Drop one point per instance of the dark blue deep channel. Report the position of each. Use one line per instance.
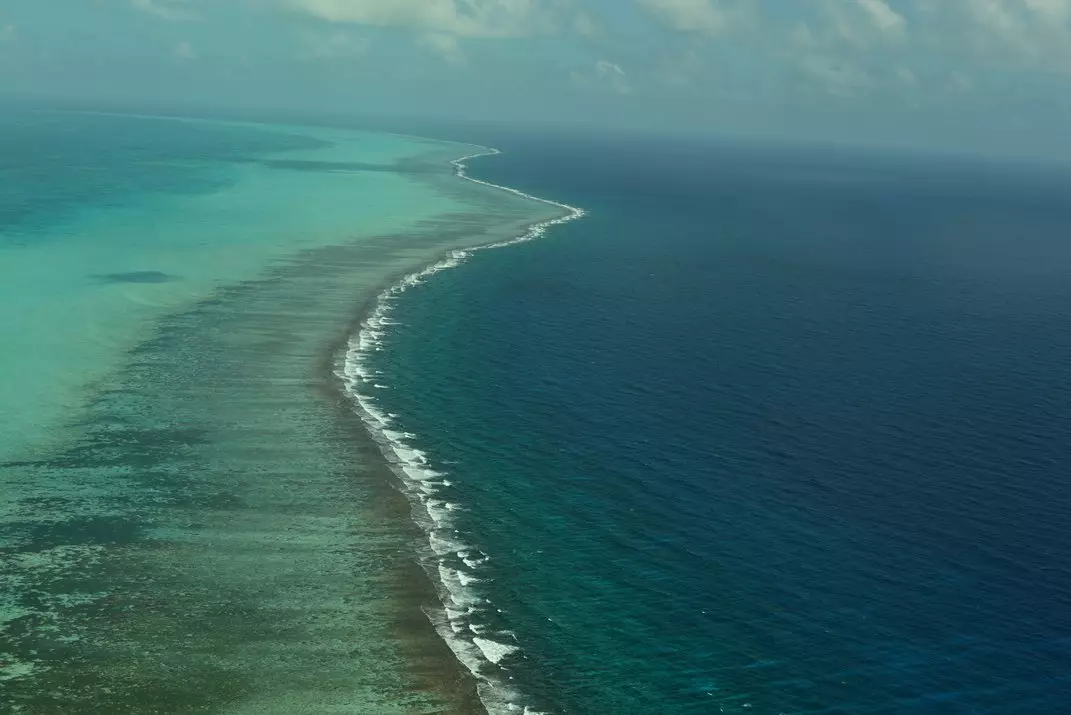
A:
(769, 431)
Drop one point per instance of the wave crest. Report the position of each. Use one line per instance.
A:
(465, 620)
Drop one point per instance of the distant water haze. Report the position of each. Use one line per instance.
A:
(985, 77)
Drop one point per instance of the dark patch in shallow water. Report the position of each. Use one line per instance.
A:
(136, 277)
(406, 167)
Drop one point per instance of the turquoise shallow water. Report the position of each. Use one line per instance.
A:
(193, 519)
(110, 222)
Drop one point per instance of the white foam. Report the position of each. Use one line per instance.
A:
(474, 563)
(493, 650)
(438, 513)
(456, 591)
(408, 455)
(466, 579)
(423, 485)
(420, 474)
(443, 545)
(372, 414)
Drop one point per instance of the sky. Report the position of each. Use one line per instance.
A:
(989, 76)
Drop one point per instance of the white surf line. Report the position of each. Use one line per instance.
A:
(477, 648)
(536, 231)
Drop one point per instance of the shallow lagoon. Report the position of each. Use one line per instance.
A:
(193, 518)
(76, 273)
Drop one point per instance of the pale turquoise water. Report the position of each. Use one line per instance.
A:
(193, 520)
(74, 287)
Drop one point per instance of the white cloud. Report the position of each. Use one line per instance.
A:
(1024, 33)
(1051, 10)
(863, 23)
(584, 26)
(444, 46)
(836, 76)
(700, 16)
(462, 18)
(996, 19)
(834, 48)
(847, 47)
(333, 45)
(681, 69)
(907, 76)
(173, 10)
(612, 75)
(185, 51)
(960, 82)
(604, 75)
(884, 18)
(802, 35)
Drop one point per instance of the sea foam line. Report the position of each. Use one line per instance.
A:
(467, 621)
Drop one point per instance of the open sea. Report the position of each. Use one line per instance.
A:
(776, 431)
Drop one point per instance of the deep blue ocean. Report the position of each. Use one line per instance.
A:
(774, 431)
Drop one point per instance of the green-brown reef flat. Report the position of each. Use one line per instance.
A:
(214, 532)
